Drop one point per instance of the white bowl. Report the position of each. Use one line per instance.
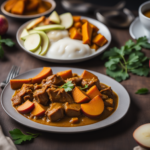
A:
(102, 29)
(29, 16)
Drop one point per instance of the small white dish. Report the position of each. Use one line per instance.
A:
(103, 30)
(123, 104)
(29, 16)
(137, 30)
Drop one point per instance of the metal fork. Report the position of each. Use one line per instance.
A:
(14, 71)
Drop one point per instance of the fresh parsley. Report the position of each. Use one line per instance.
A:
(128, 58)
(68, 86)
(142, 91)
(19, 137)
(85, 87)
(7, 42)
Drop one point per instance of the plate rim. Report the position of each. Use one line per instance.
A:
(68, 128)
(28, 16)
(131, 26)
(56, 60)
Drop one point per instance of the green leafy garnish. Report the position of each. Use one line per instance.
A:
(19, 137)
(128, 58)
(7, 42)
(142, 91)
(68, 86)
(85, 87)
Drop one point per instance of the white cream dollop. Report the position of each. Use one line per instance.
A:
(56, 35)
(67, 48)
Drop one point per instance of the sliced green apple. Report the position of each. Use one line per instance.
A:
(31, 24)
(38, 51)
(24, 34)
(50, 27)
(32, 42)
(54, 17)
(66, 20)
(45, 41)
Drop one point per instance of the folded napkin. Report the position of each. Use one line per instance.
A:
(5, 142)
(138, 148)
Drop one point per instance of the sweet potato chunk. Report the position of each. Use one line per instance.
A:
(46, 71)
(99, 40)
(88, 75)
(76, 18)
(83, 21)
(74, 120)
(17, 83)
(38, 110)
(75, 34)
(26, 107)
(94, 108)
(9, 5)
(86, 33)
(77, 24)
(32, 5)
(109, 102)
(18, 8)
(65, 74)
(79, 96)
(110, 108)
(41, 8)
(94, 27)
(93, 91)
(94, 46)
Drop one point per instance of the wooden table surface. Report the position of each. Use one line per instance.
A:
(114, 137)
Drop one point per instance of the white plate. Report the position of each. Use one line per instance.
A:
(123, 105)
(29, 16)
(136, 29)
(103, 30)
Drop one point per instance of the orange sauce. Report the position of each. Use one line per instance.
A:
(147, 13)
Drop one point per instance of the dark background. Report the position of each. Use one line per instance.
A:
(131, 4)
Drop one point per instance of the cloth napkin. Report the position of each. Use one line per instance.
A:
(5, 142)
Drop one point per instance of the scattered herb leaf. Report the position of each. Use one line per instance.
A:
(142, 91)
(68, 86)
(19, 137)
(128, 58)
(85, 87)
(7, 42)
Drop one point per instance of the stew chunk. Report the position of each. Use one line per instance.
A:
(41, 96)
(53, 79)
(75, 80)
(25, 93)
(55, 112)
(91, 82)
(72, 110)
(59, 95)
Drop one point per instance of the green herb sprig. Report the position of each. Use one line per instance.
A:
(85, 87)
(19, 137)
(7, 42)
(68, 86)
(127, 59)
(142, 91)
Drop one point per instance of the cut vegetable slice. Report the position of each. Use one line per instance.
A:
(24, 34)
(66, 20)
(54, 17)
(38, 51)
(45, 41)
(50, 27)
(32, 42)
